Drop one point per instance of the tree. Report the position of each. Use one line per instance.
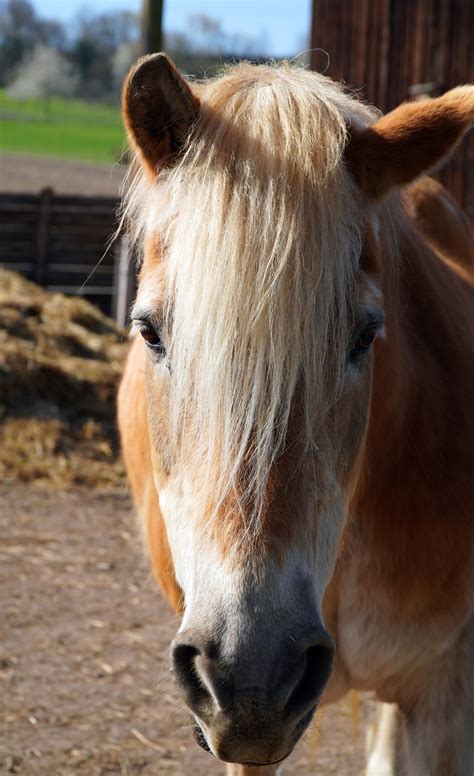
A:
(100, 47)
(123, 58)
(20, 30)
(98, 39)
(45, 73)
(207, 44)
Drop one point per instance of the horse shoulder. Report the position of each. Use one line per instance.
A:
(133, 425)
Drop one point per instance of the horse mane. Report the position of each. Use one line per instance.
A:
(260, 226)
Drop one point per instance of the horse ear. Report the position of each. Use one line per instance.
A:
(158, 109)
(409, 141)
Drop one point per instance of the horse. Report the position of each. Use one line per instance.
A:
(296, 409)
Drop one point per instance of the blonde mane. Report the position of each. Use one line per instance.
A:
(261, 233)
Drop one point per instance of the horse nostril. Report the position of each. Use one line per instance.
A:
(205, 685)
(200, 738)
(187, 676)
(318, 663)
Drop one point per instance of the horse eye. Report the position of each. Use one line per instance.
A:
(363, 341)
(152, 336)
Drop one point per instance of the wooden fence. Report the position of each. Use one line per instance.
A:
(391, 50)
(68, 244)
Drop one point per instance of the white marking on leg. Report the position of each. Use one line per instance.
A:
(382, 742)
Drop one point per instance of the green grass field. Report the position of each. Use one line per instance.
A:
(68, 129)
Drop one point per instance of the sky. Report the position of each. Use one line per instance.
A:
(285, 22)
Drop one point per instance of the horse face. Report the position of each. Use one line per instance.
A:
(252, 655)
(252, 553)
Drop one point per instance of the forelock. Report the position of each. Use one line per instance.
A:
(262, 233)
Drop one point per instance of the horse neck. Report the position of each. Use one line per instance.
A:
(415, 458)
(411, 536)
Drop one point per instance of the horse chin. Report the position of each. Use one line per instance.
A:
(300, 728)
(200, 738)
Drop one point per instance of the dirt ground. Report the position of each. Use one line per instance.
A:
(21, 173)
(84, 680)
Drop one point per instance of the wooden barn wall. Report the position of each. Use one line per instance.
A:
(384, 48)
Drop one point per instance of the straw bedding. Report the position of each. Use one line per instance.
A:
(60, 364)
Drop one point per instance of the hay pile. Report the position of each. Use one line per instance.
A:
(60, 364)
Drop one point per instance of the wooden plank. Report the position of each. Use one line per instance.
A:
(24, 200)
(46, 197)
(77, 279)
(124, 283)
(10, 229)
(95, 248)
(98, 212)
(373, 31)
(417, 75)
(98, 227)
(63, 200)
(386, 53)
(361, 40)
(80, 258)
(86, 242)
(318, 27)
(18, 266)
(18, 209)
(99, 269)
(18, 248)
(19, 220)
(74, 290)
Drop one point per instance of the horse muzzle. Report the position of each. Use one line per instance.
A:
(253, 705)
